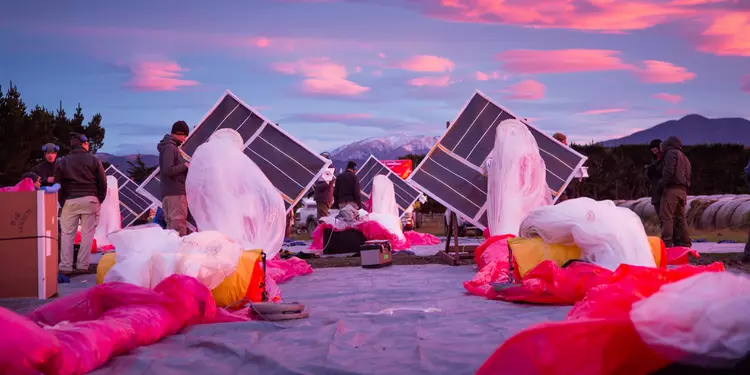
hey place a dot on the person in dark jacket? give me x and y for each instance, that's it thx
(46, 169)
(675, 182)
(323, 193)
(173, 172)
(83, 187)
(346, 191)
(568, 192)
(653, 172)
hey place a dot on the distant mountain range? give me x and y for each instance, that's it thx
(693, 130)
(121, 162)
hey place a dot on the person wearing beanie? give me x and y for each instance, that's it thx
(323, 193)
(173, 171)
(674, 184)
(653, 172)
(347, 191)
(83, 187)
(46, 169)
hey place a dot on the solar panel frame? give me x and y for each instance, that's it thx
(480, 150)
(373, 167)
(131, 206)
(289, 201)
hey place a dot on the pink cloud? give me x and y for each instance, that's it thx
(663, 72)
(322, 76)
(481, 76)
(745, 83)
(358, 69)
(560, 61)
(377, 73)
(381, 55)
(601, 111)
(158, 76)
(261, 42)
(672, 98)
(594, 15)
(589, 60)
(526, 90)
(728, 34)
(428, 64)
(434, 81)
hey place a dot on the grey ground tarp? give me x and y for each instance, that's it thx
(395, 320)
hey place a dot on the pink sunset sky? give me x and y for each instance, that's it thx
(335, 71)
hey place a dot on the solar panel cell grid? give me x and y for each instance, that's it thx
(132, 203)
(290, 166)
(406, 195)
(451, 172)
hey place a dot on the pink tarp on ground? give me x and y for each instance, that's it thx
(85, 329)
(376, 231)
(24, 185)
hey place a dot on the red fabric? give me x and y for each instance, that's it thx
(95, 324)
(24, 185)
(486, 244)
(680, 255)
(421, 239)
(598, 337)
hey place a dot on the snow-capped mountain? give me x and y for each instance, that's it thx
(384, 148)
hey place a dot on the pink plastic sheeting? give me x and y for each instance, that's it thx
(281, 270)
(492, 259)
(602, 335)
(421, 239)
(84, 330)
(24, 185)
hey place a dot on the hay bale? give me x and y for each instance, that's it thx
(725, 213)
(629, 204)
(696, 209)
(649, 212)
(708, 218)
(741, 214)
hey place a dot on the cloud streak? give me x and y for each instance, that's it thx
(431, 81)
(526, 90)
(428, 64)
(594, 112)
(158, 76)
(672, 98)
(357, 120)
(589, 60)
(322, 77)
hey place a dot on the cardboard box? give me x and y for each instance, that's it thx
(28, 245)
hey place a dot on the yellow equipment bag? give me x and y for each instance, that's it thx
(529, 252)
(105, 263)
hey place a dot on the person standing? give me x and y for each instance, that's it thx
(173, 172)
(746, 254)
(83, 187)
(346, 191)
(653, 173)
(675, 182)
(46, 169)
(565, 195)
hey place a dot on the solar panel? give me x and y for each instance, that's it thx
(290, 166)
(406, 194)
(132, 204)
(451, 172)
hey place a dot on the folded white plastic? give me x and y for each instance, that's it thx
(606, 234)
(384, 207)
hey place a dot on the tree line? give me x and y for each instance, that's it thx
(23, 132)
(617, 173)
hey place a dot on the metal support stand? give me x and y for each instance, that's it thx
(459, 252)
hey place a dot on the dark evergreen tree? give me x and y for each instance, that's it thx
(138, 170)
